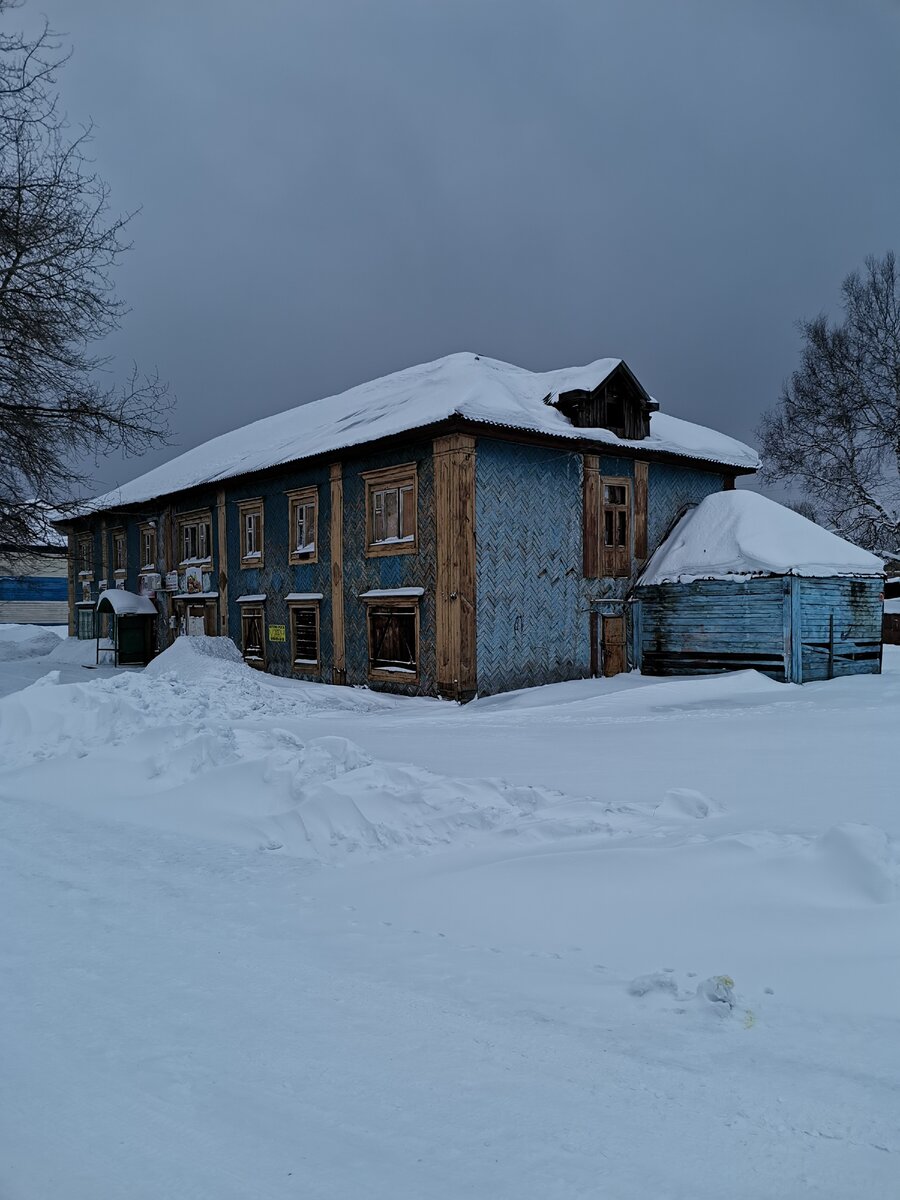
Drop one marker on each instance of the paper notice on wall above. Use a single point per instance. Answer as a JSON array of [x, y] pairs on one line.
[[171, 581], [277, 633]]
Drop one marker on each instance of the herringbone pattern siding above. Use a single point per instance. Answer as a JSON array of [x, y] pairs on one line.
[[362, 574], [531, 622], [533, 603], [277, 578]]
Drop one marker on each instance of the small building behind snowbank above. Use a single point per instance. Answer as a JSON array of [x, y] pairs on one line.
[[743, 582], [34, 586]]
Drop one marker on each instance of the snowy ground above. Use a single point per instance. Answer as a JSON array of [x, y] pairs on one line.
[[625, 938]]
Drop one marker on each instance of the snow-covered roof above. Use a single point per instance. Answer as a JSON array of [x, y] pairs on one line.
[[465, 385], [122, 602], [738, 534]]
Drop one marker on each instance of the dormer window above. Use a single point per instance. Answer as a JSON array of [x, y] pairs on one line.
[[618, 404]]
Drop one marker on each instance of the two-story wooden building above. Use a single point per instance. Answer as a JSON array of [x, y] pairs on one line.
[[461, 526]]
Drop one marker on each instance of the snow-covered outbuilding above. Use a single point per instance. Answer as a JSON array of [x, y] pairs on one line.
[[743, 582]]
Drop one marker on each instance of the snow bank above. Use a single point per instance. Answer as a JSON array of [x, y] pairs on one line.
[[191, 657], [738, 534], [28, 641], [466, 385]]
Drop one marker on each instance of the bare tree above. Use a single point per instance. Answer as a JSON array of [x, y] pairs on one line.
[[836, 431], [58, 244]]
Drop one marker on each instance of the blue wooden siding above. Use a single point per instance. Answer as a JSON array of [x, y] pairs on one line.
[[672, 490], [33, 587], [713, 625], [533, 605], [362, 574], [532, 622], [779, 625], [277, 578], [852, 608], [532, 602]]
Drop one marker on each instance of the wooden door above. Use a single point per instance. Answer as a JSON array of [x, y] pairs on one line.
[[614, 659]]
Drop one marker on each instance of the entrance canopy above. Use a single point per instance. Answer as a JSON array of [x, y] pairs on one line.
[[122, 603], [132, 640]]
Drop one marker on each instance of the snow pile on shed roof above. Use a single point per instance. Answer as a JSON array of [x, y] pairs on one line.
[[737, 534], [465, 385]]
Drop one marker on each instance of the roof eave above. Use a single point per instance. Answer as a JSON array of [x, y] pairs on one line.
[[454, 423]]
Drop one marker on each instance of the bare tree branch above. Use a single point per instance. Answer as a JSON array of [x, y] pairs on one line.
[[836, 430], [58, 247]]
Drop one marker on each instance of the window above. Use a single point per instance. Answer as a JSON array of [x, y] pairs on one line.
[[615, 527], [253, 635], [305, 636], [304, 523], [251, 518], [195, 538], [119, 552], [148, 547], [615, 412], [391, 510], [393, 641], [85, 563]]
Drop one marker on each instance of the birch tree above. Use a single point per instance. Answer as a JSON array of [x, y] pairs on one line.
[[836, 431]]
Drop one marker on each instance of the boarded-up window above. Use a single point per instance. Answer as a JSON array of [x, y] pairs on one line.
[[615, 527], [197, 619], [391, 500], [393, 639], [305, 636], [304, 521], [253, 635]]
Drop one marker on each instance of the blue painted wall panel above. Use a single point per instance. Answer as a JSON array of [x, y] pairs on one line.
[[533, 603], [713, 625], [531, 607], [33, 587], [277, 578], [725, 625], [852, 609], [362, 574]]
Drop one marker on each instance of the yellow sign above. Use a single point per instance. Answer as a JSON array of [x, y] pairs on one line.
[[277, 633]]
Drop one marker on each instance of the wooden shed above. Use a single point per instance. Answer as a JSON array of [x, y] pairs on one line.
[[743, 582]]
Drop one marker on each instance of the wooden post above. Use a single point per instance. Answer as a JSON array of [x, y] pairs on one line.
[[104, 552], [454, 515], [72, 560], [796, 631], [338, 654], [637, 634], [831, 645], [222, 515], [640, 510], [591, 517]]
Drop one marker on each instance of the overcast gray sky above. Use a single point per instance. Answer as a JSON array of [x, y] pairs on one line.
[[334, 189]]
